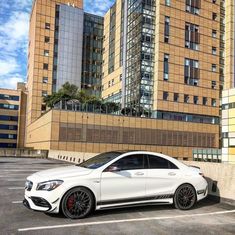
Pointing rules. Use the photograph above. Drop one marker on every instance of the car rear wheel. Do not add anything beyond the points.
(77, 203)
(185, 197)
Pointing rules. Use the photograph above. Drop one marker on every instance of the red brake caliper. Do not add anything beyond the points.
(70, 202)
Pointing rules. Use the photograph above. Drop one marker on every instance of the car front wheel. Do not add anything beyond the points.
(77, 203)
(185, 197)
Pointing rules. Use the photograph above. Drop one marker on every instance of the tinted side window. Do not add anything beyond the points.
(131, 162)
(160, 163)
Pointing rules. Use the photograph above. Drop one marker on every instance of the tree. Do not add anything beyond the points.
(71, 92)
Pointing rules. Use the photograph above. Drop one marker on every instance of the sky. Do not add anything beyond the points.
(14, 25)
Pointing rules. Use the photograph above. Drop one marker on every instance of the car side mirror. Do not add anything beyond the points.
(112, 169)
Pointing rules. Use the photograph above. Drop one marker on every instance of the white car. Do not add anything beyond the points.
(115, 179)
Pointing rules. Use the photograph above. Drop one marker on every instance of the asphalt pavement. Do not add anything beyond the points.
(207, 217)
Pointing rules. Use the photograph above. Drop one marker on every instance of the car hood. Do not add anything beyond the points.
(60, 173)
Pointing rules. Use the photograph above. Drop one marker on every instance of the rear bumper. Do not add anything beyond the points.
(202, 193)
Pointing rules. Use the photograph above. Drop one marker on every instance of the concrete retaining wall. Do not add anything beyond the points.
(220, 177)
(73, 157)
(23, 153)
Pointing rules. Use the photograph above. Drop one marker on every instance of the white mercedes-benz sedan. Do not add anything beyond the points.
(112, 180)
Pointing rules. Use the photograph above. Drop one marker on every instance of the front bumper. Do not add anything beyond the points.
(38, 204)
(42, 201)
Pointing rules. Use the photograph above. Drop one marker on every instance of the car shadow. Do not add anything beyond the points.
(141, 209)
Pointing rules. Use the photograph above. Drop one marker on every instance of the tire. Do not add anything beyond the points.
(185, 197)
(77, 203)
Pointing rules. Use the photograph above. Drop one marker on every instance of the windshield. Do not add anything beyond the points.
(99, 160)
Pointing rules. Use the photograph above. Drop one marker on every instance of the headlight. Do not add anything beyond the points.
(49, 185)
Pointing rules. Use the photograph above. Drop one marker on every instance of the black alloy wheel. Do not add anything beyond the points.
(185, 197)
(77, 203)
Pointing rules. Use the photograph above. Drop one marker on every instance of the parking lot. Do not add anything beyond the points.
(207, 217)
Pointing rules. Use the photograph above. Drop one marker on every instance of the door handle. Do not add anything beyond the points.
(171, 173)
(139, 173)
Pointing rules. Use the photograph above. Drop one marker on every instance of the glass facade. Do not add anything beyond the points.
(8, 118)
(112, 28)
(68, 46)
(140, 54)
(92, 54)
(9, 106)
(9, 97)
(7, 145)
(8, 127)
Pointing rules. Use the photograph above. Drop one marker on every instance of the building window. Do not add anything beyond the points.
(195, 99)
(146, 56)
(112, 82)
(192, 36)
(120, 77)
(213, 102)
(214, 16)
(46, 52)
(43, 107)
(45, 66)
(213, 84)
(13, 127)
(213, 67)
(46, 39)
(186, 99)
(193, 6)
(109, 84)
(214, 50)
(214, 32)
(146, 76)
(176, 97)
(191, 72)
(10, 136)
(167, 29)
(204, 100)
(44, 93)
(45, 79)
(166, 67)
(165, 95)
(167, 2)
(214, 1)
(47, 25)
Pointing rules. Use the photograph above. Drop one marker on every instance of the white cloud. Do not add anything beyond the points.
(14, 33)
(11, 81)
(8, 66)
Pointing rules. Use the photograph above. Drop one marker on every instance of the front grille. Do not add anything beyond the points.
(38, 201)
(28, 185)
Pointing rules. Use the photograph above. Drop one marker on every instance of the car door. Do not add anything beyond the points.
(162, 176)
(124, 180)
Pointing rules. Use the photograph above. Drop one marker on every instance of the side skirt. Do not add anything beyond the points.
(133, 205)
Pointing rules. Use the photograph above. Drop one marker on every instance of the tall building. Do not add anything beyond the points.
(229, 69)
(228, 95)
(164, 56)
(65, 45)
(12, 117)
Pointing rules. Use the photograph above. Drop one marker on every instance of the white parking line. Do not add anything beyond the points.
(13, 180)
(123, 221)
(17, 202)
(15, 188)
(22, 170)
